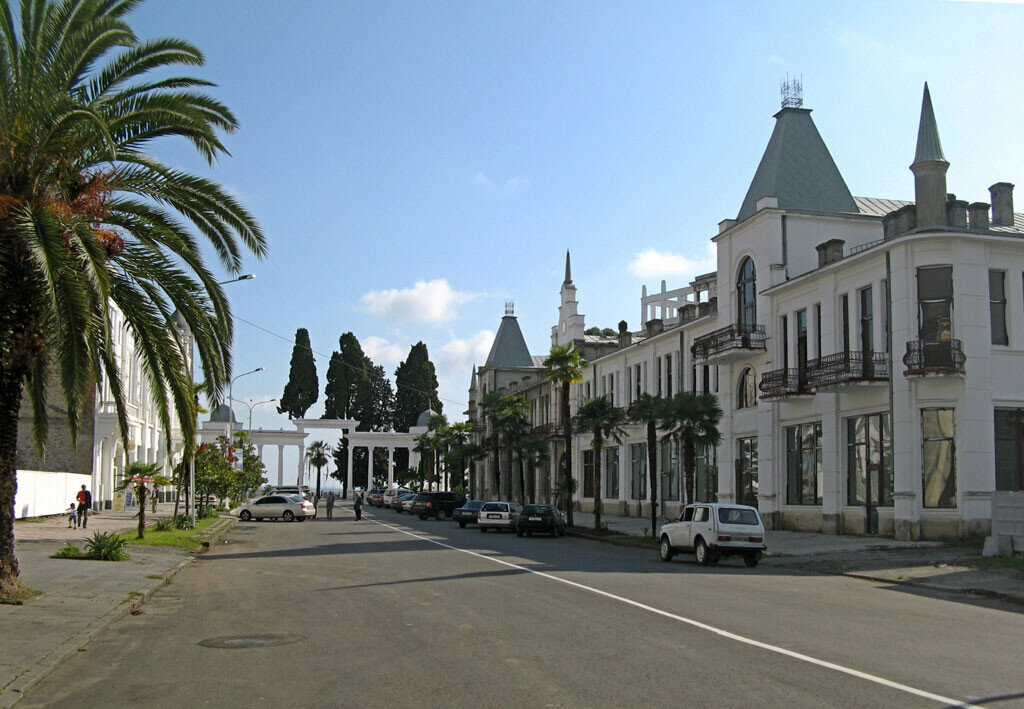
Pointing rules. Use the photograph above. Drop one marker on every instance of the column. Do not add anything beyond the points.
(369, 466)
(302, 461)
(280, 464)
(348, 485)
(391, 467)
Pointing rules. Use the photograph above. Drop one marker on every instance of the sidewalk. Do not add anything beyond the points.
(927, 565)
(80, 598)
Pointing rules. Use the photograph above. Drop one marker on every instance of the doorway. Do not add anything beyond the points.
(746, 471)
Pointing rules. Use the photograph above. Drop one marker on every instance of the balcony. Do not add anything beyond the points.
(847, 369)
(729, 342)
(547, 430)
(929, 357)
(781, 383)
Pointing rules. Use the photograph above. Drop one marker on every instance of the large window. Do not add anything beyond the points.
(803, 464)
(844, 317)
(867, 321)
(746, 294)
(668, 375)
(939, 457)
(588, 473)
(935, 303)
(746, 471)
(668, 461)
(611, 473)
(746, 390)
(706, 483)
(638, 471)
(997, 307)
(869, 460)
(657, 365)
(1009, 449)
(638, 385)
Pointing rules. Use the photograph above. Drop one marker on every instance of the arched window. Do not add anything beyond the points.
(746, 293)
(746, 393)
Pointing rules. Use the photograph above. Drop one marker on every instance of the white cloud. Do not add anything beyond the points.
(427, 301)
(455, 360)
(651, 263)
(381, 351)
(508, 187)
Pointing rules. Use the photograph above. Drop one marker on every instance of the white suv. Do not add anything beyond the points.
(391, 495)
(713, 530)
(498, 515)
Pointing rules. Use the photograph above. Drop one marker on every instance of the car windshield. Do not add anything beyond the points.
(736, 515)
(421, 498)
(494, 507)
(536, 510)
(407, 496)
(474, 505)
(296, 498)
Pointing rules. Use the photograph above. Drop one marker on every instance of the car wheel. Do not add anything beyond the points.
(561, 531)
(288, 516)
(702, 553)
(462, 523)
(529, 534)
(519, 533)
(423, 516)
(750, 560)
(245, 515)
(665, 550)
(442, 515)
(483, 529)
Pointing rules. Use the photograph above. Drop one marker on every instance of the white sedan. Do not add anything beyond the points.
(286, 507)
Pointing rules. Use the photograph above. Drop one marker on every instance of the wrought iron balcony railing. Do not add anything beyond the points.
(934, 357)
(784, 382)
(547, 430)
(733, 337)
(847, 367)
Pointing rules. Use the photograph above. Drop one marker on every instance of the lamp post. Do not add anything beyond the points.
(251, 406)
(231, 392)
(246, 277)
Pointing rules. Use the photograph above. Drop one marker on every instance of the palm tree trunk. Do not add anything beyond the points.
(567, 434)
(597, 480)
(140, 492)
(10, 403)
(689, 463)
(496, 451)
(652, 473)
(318, 481)
(522, 483)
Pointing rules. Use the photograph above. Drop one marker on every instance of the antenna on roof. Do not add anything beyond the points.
(792, 91)
(510, 307)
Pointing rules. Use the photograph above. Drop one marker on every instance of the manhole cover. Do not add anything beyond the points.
(232, 642)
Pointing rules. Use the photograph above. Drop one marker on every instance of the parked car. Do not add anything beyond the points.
(294, 490)
(498, 515)
(714, 530)
(540, 518)
(375, 497)
(467, 513)
(286, 507)
(391, 495)
(438, 505)
(404, 502)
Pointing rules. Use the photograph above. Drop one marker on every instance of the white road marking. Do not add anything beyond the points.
(958, 704)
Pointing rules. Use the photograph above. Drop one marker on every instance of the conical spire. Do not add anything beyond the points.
(568, 269)
(928, 145)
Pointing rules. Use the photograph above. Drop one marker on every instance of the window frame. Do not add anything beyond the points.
(804, 464)
(743, 388)
(999, 305)
(746, 298)
(952, 476)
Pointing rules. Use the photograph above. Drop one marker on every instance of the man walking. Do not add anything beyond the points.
(84, 498)
(330, 505)
(357, 504)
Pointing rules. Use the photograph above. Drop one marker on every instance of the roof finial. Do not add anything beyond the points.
(510, 307)
(568, 269)
(928, 145)
(792, 91)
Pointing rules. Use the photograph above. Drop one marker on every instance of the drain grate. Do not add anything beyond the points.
(235, 642)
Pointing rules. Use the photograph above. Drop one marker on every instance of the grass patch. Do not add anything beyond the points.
(648, 542)
(154, 576)
(181, 538)
(20, 594)
(101, 547)
(1014, 563)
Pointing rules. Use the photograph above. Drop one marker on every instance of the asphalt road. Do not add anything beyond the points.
(394, 611)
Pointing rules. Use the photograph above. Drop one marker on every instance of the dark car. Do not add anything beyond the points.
(467, 513)
(403, 501)
(375, 497)
(438, 505)
(540, 518)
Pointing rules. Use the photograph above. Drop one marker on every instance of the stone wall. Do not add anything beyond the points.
(1007, 525)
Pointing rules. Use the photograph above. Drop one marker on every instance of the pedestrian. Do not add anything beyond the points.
(316, 505)
(330, 505)
(357, 504)
(84, 498)
(72, 516)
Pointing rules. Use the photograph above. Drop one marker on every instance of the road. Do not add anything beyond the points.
(395, 611)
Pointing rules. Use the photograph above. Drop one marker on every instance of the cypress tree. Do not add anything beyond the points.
(416, 384)
(303, 387)
(345, 375)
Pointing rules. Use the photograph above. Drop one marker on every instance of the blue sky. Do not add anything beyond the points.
(416, 164)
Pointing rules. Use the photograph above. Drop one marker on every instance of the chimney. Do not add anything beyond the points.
(655, 326)
(929, 169)
(890, 224)
(956, 211)
(906, 218)
(829, 251)
(689, 312)
(1002, 203)
(625, 337)
(978, 215)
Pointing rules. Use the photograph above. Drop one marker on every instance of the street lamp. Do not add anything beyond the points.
(246, 277)
(231, 391)
(253, 406)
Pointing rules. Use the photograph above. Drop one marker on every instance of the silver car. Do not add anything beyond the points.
(286, 507)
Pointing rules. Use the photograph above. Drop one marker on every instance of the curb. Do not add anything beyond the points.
(13, 692)
(618, 539)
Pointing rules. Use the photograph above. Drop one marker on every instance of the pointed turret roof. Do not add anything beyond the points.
(798, 169)
(509, 349)
(928, 145)
(568, 269)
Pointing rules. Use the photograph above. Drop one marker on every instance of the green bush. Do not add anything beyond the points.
(106, 547)
(68, 551)
(206, 513)
(183, 522)
(164, 524)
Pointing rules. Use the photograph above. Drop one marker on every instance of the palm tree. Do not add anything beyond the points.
(437, 426)
(649, 410)
(136, 475)
(528, 449)
(317, 457)
(693, 420)
(565, 367)
(490, 407)
(512, 425)
(456, 439)
(92, 224)
(604, 421)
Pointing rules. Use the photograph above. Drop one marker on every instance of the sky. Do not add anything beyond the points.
(416, 164)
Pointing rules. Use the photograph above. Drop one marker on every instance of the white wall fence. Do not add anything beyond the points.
(40, 493)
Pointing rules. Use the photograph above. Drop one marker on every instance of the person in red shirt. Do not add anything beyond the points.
(84, 498)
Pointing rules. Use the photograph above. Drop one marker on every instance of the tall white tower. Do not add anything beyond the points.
(570, 325)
